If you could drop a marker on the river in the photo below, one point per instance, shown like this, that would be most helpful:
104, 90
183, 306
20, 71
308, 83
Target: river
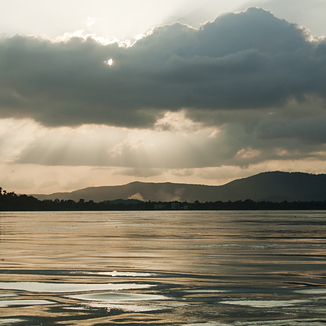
163, 268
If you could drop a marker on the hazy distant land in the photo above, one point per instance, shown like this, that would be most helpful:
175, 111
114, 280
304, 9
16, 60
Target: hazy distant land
268, 186
270, 190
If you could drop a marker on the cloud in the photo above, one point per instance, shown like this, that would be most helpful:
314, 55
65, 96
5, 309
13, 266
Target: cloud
242, 90
149, 153
144, 152
239, 61
140, 172
306, 13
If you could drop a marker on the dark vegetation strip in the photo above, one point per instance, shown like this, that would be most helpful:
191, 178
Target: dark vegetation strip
13, 202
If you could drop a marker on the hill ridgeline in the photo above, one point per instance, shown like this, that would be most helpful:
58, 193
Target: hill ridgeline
267, 186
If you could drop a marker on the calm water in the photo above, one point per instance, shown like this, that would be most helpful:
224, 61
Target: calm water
163, 268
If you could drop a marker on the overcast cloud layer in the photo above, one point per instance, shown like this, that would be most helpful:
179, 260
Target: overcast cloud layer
245, 89
249, 60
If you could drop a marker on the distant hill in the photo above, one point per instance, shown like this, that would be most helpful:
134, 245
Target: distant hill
267, 186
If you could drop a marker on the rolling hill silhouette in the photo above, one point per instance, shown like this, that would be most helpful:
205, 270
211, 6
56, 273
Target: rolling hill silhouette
268, 186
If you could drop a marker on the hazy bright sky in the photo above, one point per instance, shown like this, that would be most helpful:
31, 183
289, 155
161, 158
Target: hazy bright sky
104, 92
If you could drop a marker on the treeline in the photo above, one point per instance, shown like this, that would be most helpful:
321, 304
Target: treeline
13, 202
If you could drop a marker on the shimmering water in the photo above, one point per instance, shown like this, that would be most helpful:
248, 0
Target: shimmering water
163, 268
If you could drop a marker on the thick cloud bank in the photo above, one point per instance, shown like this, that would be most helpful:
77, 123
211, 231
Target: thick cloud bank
241, 61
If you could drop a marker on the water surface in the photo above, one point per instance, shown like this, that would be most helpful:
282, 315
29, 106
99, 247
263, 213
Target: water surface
163, 268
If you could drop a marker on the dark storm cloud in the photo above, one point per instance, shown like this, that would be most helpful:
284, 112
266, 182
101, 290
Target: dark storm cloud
248, 60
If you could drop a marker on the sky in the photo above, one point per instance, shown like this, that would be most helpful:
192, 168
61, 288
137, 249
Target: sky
96, 93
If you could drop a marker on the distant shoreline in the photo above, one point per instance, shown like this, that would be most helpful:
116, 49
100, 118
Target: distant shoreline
12, 202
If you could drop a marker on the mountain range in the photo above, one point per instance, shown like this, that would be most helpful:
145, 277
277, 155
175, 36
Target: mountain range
268, 186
